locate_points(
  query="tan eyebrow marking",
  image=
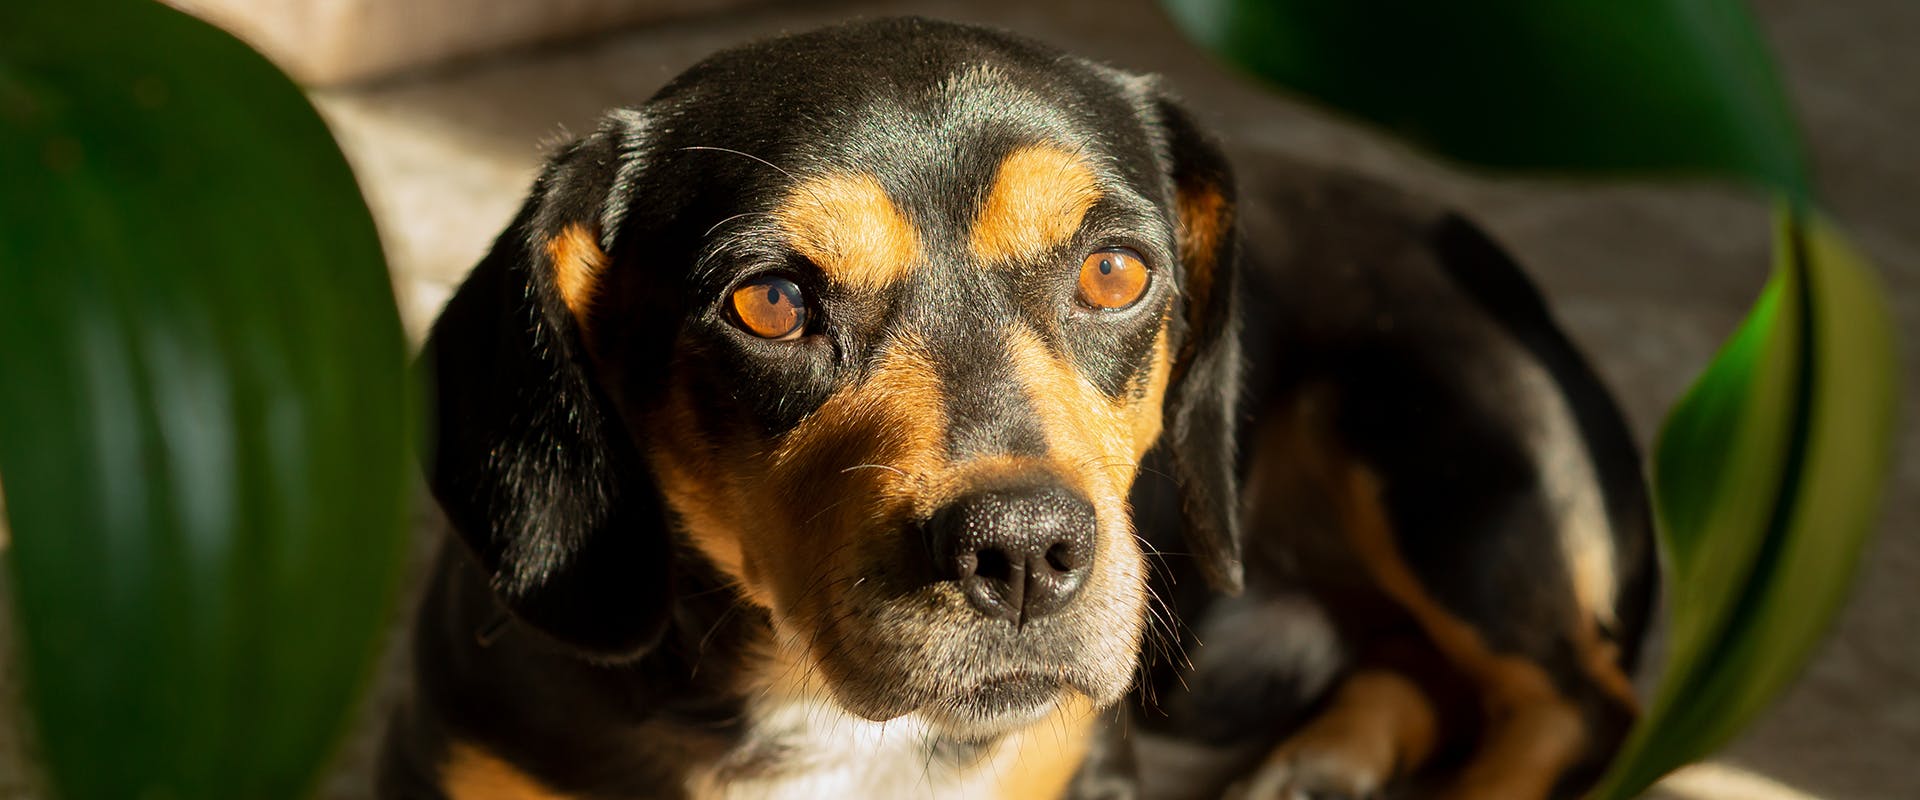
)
(577, 264)
(1040, 195)
(847, 225)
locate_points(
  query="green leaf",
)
(204, 408)
(1768, 478)
(1565, 85)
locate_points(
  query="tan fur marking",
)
(1590, 565)
(1204, 219)
(577, 264)
(699, 490)
(1148, 410)
(1039, 197)
(471, 773)
(1046, 754)
(891, 426)
(1601, 659)
(1522, 753)
(847, 225)
(1089, 435)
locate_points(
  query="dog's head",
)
(880, 321)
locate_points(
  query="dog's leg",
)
(1418, 692)
(1380, 724)
(1529, 733)
(1376, 720)
(1531, 736)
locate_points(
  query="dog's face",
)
(881, 321)
(906, 419)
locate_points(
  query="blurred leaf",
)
(1566, 85)
(203, 412)
(1768, 477)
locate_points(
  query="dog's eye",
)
(1112, 279)
(771, 307)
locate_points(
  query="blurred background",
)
(446, 107)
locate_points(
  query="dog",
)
(911, 409)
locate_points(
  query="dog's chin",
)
(996, 705)
(977, 710)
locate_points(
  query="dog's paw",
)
(1312, 774)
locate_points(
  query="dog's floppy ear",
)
(1203, 395)
(534, 468)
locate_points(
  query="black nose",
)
(1017, 554)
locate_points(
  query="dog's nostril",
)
(1062, 558)
(993, 565)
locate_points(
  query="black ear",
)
(527, 457)
(1202, 398)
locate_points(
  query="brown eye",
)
(1111, 279)
(771, 308)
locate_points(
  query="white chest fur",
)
(808, 748)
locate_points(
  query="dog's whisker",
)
(895, 470)
(742, 215)
(828, 507)
(700, 651)
(1156, 560)
(817, 199)
(743, 154)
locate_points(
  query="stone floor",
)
(1649, 278)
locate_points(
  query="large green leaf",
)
(1769, 473)
(203, 407)
(1563, 85)
(1767, 478)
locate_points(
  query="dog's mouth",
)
(973, 686)
(886, 643)
(998, 703)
